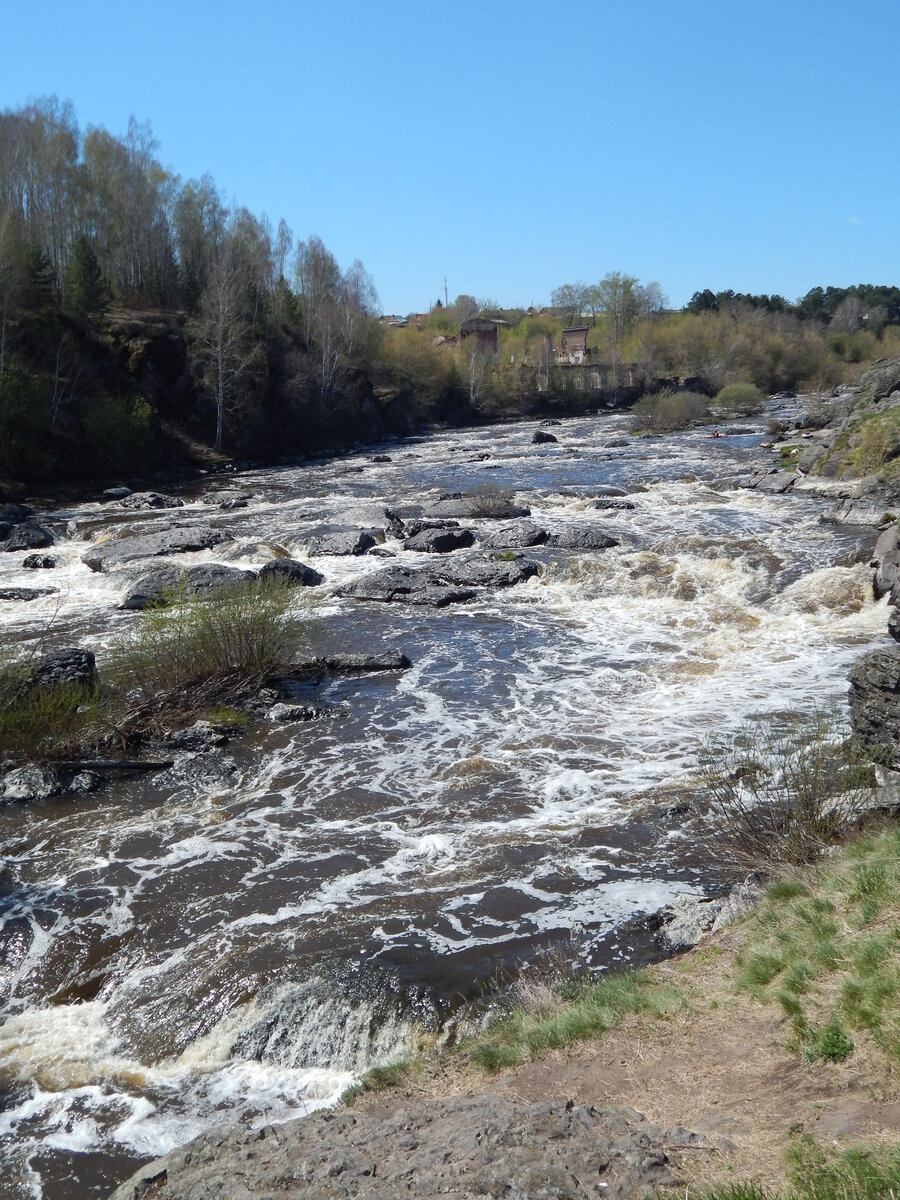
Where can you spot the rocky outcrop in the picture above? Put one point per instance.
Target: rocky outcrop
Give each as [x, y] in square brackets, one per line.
[29, 536]
[882, 378]
[34, 781]
[886, 560]
[875, 702]
[688, 919]
[469, 1146]
[145, 501]
[440, 540]
[774, 482]
[582, 537]
[297, 574]
[153, 545]
[160, 586]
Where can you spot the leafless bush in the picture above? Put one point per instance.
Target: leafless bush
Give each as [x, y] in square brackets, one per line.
[490, 500]
[779, 792]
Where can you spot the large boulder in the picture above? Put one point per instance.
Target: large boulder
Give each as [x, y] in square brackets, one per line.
[875, 702]
[29, 536]
[329, 539]
[144, 501]
[156, 587]
[465, 1146]
[886, 560]
[582, 537]
[440, 541]
[297, 574]
[153, 545]
[540, 438]
[375, 517]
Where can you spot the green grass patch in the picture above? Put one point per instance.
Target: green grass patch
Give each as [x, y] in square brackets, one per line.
[556, 1016]
[861, 1172]
[831, 958]
[379, 1079]
[871, 445]
[46, 722]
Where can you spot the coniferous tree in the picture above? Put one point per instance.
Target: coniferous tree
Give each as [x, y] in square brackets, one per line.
[85, 286]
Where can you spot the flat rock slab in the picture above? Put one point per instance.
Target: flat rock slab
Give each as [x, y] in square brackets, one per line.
[477, 506]
[25, 594]
[153, 545]
[465, 1147]
[875, 702]
[448, 582]
[773, 482]
[156, 587]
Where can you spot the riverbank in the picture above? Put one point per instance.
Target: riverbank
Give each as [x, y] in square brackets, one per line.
[741, 1074]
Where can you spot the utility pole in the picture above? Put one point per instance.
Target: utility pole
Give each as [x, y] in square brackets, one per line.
[446, 303]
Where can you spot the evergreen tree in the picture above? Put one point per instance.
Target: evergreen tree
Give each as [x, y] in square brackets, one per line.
[85, 286]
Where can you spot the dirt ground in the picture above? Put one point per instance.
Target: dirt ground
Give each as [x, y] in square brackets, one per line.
[721, 1069]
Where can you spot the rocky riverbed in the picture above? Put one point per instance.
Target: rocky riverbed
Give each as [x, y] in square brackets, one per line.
[240, 934]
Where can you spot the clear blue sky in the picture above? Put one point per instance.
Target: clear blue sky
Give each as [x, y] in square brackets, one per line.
[512, 146]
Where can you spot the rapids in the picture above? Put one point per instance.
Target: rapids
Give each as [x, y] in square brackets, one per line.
[239, 937]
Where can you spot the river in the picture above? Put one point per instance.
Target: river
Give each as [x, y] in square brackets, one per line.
[239, 937]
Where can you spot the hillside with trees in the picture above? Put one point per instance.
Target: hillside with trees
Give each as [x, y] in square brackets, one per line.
[144, 319]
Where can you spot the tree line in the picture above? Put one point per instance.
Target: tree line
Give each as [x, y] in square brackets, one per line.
[141, 312]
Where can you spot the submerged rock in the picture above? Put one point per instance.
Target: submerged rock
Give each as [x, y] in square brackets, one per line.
[467, 1146]
[452, 581]
[25, 594]
[477, 506]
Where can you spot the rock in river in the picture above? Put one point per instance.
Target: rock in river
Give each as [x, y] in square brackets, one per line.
[41, 562]
[29, 536]
[451, 581]
[295, 573]
[35, 781]
[582, 537]
[144, 501]
[517, 536]
[540, 438]
[439, 541]
[157, 586]
[153, 545]
[332, 540]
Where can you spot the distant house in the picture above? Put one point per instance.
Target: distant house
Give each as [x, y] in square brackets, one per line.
[572, 347]
[485, 331]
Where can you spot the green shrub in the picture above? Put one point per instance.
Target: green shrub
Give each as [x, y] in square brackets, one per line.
[215, 647]
[743, 398]
[117, 432]
[665, 411]
[50, 722]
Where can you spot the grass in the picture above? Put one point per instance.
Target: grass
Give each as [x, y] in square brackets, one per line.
[552, 1017]
[857, 1173]
[871, 445]
[379, 1079]
[829, 955]
[194, 653]
[45, 722]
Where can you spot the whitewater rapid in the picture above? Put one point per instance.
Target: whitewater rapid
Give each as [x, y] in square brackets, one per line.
[241, 936]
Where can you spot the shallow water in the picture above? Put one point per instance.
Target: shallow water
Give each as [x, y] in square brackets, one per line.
[239, 937]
